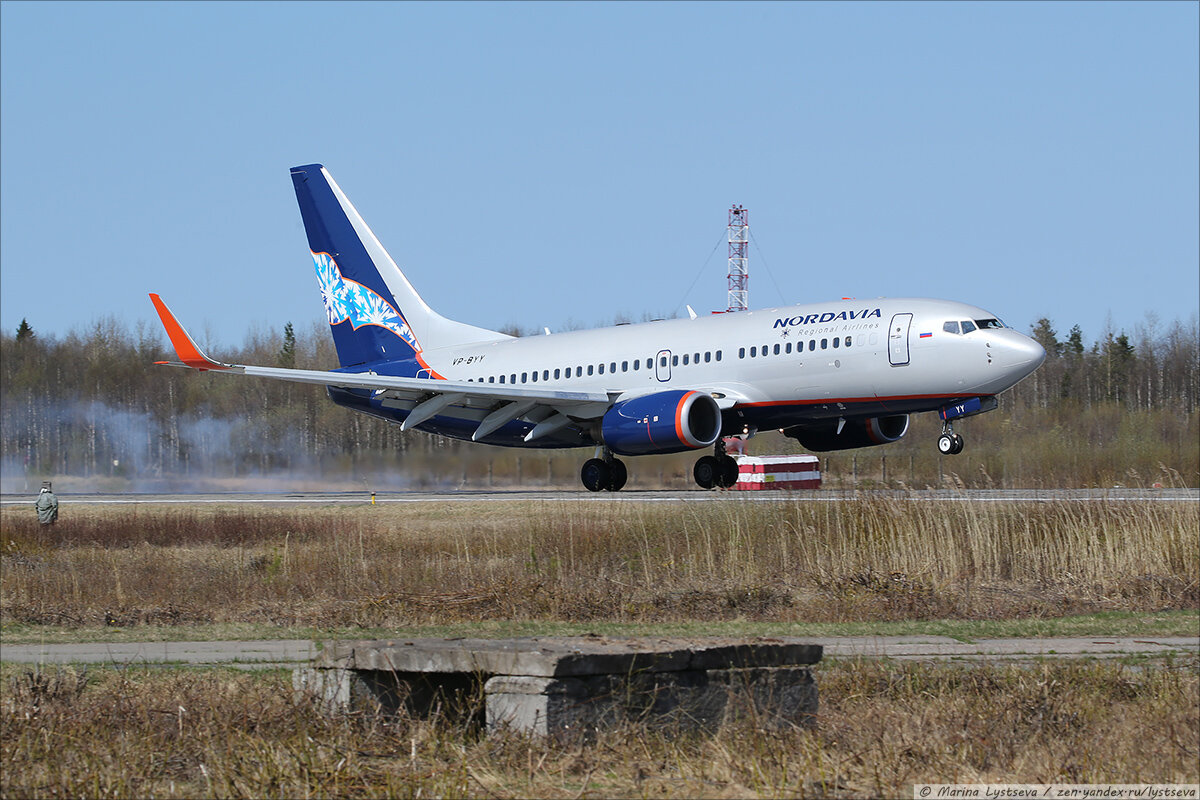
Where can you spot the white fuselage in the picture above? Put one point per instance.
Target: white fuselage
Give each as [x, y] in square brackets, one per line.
[761, 358]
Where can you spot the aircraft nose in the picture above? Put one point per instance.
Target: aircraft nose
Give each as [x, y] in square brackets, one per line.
[1019, 352]
[1028, 351]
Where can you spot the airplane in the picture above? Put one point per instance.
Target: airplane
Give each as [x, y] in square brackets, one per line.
[832, 376]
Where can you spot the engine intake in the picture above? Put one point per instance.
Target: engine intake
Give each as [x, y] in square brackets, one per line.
[666, 422]
[822, 437]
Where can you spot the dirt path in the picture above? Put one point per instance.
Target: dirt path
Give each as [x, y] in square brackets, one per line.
[288, 652]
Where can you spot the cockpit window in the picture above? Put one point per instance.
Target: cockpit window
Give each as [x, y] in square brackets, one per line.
[950, 327]
[967, 326]
[985, 324]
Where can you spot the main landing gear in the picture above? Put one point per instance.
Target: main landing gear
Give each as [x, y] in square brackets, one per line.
[949, 443]
[719, 470]
[603, 474]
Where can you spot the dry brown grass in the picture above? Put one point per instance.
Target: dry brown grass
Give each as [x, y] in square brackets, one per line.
[602, 561]
[882, 727]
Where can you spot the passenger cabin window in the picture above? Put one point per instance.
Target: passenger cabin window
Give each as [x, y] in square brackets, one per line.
[685, 359]
[824, 344]
[835, 341]
[624, 366]
[741, 352]
[612, 366]
[707, 357]
[718, 355]
[847, 341]
[776, 350]
[674, 361]
[601, 369]
[753, 352]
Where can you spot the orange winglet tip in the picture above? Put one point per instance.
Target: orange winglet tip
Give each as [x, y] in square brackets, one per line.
[185, 348]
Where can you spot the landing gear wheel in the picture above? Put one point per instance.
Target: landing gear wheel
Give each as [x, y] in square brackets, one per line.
[958, 445]
[595, 475]
[946, 444]
[706, 472]
[729, 471]
[617, 475]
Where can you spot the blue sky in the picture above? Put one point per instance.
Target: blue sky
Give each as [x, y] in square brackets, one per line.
[556, 164]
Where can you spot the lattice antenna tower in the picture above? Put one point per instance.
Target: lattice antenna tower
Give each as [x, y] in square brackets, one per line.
[739, 275]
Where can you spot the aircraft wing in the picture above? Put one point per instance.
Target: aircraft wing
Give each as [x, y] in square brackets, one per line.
[549, 410]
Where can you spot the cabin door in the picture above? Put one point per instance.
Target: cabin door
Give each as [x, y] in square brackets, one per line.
[898, 339]
[662, 365]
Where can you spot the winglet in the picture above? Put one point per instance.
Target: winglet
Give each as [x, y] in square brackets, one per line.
[185, 348]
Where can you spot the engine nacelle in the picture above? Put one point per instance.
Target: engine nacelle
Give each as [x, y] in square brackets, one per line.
[666, 422]
[822, 437]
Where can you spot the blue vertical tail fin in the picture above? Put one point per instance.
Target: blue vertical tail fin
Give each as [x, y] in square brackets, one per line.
[374, 312]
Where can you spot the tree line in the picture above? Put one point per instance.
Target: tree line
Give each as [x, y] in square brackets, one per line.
[93, 403]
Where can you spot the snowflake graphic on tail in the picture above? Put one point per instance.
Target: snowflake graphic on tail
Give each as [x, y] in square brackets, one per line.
[350, 300]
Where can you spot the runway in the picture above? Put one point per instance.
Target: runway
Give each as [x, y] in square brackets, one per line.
[632, 496]
[295, 652]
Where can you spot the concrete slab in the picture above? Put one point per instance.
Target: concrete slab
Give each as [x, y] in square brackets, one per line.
[564, 656]
[570, 686]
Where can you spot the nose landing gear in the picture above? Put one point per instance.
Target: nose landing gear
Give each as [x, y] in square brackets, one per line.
[949, 443]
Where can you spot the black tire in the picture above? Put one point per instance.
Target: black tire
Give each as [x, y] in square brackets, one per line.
[706, 471]
[595, 475]
[617, 475]
[945, 444]
[958, 445]
[729, 471]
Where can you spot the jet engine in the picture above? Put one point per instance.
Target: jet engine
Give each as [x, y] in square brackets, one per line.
[824, 436]
[665, 422]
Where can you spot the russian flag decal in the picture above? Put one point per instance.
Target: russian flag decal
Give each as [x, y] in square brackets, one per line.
[926, 335]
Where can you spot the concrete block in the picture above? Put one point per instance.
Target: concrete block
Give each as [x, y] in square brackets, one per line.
[570, 687]
[572, 707]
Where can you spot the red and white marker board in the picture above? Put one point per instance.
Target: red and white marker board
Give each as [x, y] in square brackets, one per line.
[778, 472]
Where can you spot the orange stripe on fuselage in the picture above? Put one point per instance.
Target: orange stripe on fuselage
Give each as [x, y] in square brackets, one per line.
[433, 373]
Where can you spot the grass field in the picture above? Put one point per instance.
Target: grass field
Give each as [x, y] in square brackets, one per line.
[883, 565]
[370, 567]
[881, 728]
